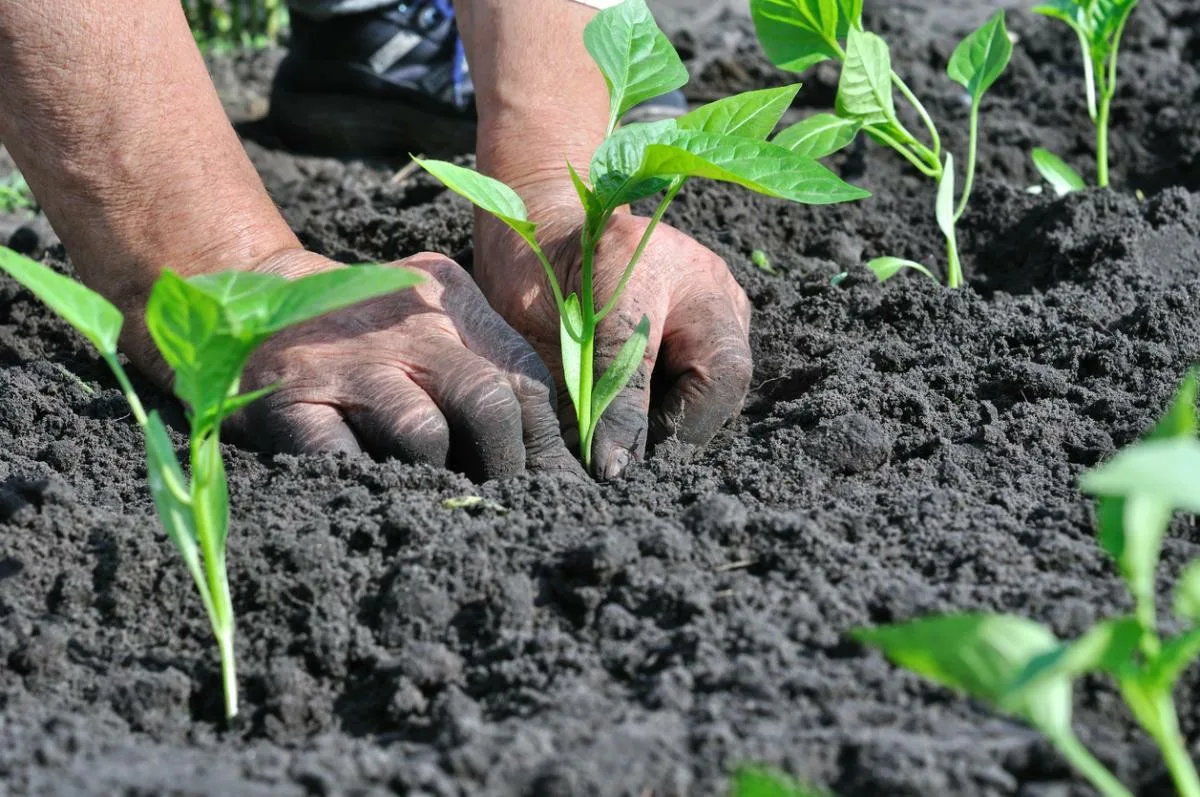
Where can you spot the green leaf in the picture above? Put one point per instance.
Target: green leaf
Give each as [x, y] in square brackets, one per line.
[1109, 648]
[982, 57]
[616, 168]
[210, 490]
[1167, 471]
[487, 194]
[1176, 655]
[89, 312]
[945, 199]
[1131, 531]
[865, 87]
[763, 263]
[570, 336]
[1106, 18]
[635, 57]
[1187, 593]
[818, 136]
[304, 299]
[622, 369]
[982, 655]
[761, 782]
[1180, 420]
[1071, 12]
[798, 34]
[587, 198]
[887, 267]
[752, 114]
[169, 488]
[1062, 178]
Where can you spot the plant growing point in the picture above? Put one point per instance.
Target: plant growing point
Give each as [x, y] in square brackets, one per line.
[725, 140]
[206, 328]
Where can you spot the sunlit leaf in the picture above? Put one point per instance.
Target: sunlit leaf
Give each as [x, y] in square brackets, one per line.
[818, 136]
[1054, 170]
[621, 370]
[887, 267]
[982, 57]
[865, 88]
[751, 114]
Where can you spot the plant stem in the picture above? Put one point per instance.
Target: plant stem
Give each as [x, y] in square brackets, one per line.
[924, 114]
[1102, 143]
[207, 531]
[1174, 749]
[972, 151]
[135, 404]
[1086, 764]
[587, 352]
[954, 272]
[924, 168]
[672, 192]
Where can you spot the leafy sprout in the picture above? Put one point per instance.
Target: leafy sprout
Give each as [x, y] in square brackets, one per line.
[205, 328]
[15, 194]
[223, 25]
[1098, 26]
[1019, 667]
[724, 141]
[798, 34]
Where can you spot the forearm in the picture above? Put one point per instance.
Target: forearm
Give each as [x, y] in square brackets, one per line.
[111, 116]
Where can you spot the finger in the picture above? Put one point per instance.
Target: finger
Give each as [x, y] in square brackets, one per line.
[487, 334]
[706, 362]
[621, 434]
[297, 428]
[393, 417]
[479, 405]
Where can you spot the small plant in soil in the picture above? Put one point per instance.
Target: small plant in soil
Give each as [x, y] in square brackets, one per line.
[205, 328]
[760, 782]
[725, 140]
[15, 194]
[1098, 25]
[799, 34]
[1021, 668]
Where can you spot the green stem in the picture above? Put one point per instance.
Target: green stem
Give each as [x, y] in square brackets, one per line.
[135, 404]
[924, 168]
[1102, 142]
[972, 152]
[1174, 749]
[672, 192]
[220, 605]
[587, 352]
[924, 114]
[1086, 764]
[1089, 73]
[954, 272]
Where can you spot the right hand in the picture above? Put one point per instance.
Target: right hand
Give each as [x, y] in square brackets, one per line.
[428, 375]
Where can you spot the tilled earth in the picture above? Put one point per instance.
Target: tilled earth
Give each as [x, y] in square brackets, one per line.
[905, 450]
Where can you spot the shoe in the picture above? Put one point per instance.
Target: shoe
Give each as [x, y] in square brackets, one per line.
[388, 82]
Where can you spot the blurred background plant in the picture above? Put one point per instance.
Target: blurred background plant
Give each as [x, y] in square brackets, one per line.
[223, 25]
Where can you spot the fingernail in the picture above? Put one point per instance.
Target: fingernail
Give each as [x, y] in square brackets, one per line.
[617, 463]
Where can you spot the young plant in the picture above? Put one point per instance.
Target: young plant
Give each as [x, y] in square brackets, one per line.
[762, 782]
[206, 328]
[15, 194]
[725, 140]
[1098, 25]
[1021, 668]
[798, 34]
[223, 26]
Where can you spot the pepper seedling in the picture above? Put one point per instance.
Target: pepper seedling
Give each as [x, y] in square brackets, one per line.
[1099, 26]
[1021, 668]
[206, 328]
[799, 34]
[725, 141]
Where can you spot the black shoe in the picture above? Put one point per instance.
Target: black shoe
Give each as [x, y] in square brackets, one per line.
[388, 82]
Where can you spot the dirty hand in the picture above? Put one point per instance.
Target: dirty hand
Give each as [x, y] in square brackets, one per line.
[699, 350]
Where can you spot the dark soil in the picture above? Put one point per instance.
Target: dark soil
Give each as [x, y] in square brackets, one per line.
[905, 450]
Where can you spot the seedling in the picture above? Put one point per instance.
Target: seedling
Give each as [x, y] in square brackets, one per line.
[15, 194]
[799, 34]
[224, 26]
[206, 328]
[1098, 25]
[1021, 668]
[761, 782]
[725, 141]
[762, 262]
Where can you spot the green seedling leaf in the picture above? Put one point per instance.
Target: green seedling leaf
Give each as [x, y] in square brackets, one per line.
[1177, 655]
[1187, 593]
[945, 199]
[982, 655]
[616, 170]
[87, 311]
[635, 57]
[982, 57]
[1131, 531]
[1163, 471]
[622, 369]
[763, 263]
[760, 782]
[297, 301]
[587, 198]
[752, 114]
[798, 34]
[487, 194]
[865, 87]
[1107, 648]
[887, 267]
[1062, 178]
[1180, 420]
[571, 339]
[169, 489]
[1071, 12]
[818, 136]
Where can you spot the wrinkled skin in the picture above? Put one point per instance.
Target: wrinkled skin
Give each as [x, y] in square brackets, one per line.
[697, 366]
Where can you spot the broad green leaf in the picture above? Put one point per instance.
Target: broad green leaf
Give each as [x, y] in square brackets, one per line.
[621, 370]
[1106, 18]
[759, 782]
[236, 404]
[1109, 648]
[982, 655]
[1176, 655]
[1069, 11]
[1167, 471]
[635, 57]
[798, 34]
[210, 490]
[887, 267]
[325, 292]
[1180, 420]
[570, 335]
[616, 168]
[819, 135]
[587, 198]
[89, 312]
[1187, 593]
[752, 114]
[1062, 178]
[982, 57]
[246, 298]
[865, 87]
[945, 199]
[487, 194]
